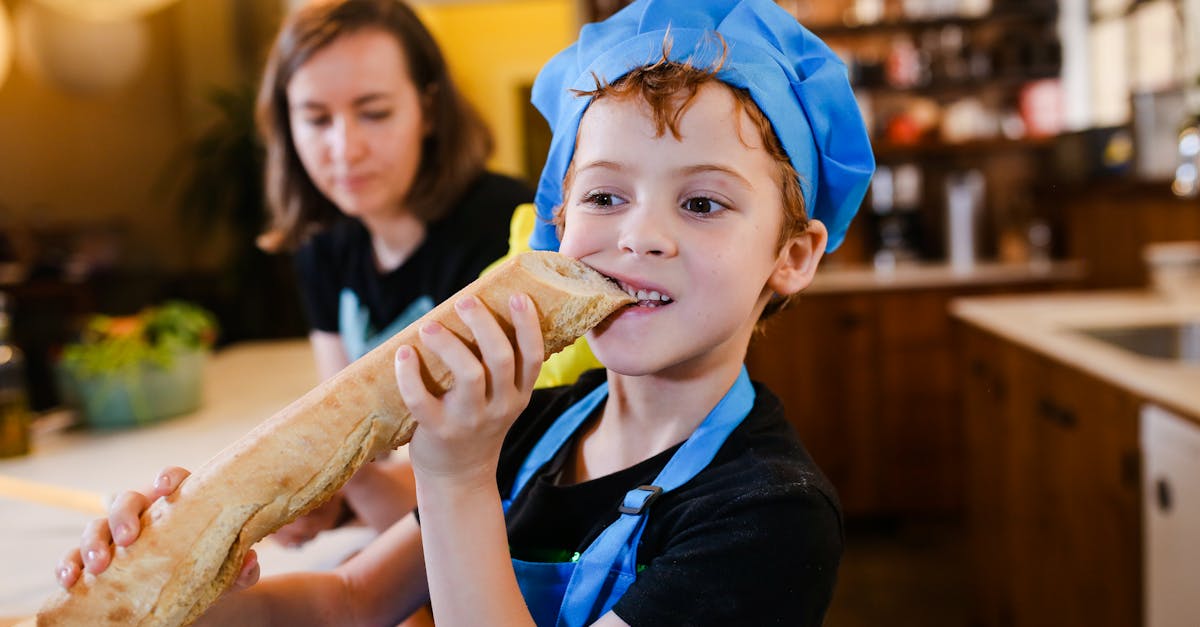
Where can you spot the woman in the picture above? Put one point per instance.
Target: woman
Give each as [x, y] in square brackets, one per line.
[376, 181]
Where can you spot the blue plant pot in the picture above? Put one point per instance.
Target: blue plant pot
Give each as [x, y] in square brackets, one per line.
[139, 396]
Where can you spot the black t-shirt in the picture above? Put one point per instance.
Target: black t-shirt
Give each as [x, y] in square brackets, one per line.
[455, 250]
[754, 539]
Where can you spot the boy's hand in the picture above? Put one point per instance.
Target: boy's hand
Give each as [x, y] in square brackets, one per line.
[461, 433]
[123, 526]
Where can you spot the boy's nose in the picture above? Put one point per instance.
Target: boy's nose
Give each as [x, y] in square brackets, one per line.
[646, 232]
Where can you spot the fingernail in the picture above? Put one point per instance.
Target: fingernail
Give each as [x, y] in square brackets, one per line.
[122, 532]
[518, 302]
[465, 303]
[430, 328]
[93, 555]
[404, 352]
[64, 572]
[162, 482]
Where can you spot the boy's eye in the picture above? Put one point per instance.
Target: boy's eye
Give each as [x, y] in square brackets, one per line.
[601, 199]
[702, 204]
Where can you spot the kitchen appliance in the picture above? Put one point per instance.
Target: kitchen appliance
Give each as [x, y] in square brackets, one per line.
[964, 204]
[1171, 515]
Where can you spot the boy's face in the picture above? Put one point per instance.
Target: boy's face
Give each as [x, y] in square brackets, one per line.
[690, 224]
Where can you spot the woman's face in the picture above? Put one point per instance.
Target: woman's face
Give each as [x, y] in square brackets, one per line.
[358, 122]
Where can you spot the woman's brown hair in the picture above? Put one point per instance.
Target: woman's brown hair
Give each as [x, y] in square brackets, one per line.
[453, 153]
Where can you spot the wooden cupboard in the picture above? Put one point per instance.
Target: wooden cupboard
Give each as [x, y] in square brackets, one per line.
[1052, 479]
[870, 380]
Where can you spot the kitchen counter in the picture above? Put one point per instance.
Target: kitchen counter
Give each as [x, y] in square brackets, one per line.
[244, 384]
[1046, 323]
[908, 276]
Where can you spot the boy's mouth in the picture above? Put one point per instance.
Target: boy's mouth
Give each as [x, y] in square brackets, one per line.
[645, 297]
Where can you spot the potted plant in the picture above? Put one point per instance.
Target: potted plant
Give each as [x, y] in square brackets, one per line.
[138, 369]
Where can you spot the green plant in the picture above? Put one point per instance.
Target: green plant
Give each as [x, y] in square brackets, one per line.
[155, 336]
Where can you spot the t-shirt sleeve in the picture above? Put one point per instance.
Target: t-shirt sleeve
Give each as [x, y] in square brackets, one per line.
[318, 286]
[759, 560]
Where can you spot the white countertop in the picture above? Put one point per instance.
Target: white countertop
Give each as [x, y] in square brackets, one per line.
[1047, 324]
[907, 276]
[244, 385]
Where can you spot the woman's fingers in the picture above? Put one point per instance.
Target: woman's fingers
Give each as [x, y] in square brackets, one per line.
[69, 568]
[530, 344]
[248, 576]
[125, 517]
[167, 481]
[96, 546]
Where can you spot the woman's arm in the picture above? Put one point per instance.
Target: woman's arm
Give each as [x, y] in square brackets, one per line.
[383, 584]
[329, 353]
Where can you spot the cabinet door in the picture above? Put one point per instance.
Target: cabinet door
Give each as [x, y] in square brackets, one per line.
[986, 399]
[817, 356]
[920, 433]
[1077, 510]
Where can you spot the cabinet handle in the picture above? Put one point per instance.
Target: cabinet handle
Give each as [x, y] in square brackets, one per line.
[1131, 470]
[1162, 491]
[1057, 414]
[849, 320]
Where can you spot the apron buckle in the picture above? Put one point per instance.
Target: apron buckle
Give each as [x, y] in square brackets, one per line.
[639, 498]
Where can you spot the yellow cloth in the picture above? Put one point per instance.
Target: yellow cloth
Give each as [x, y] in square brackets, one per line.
[563, 367]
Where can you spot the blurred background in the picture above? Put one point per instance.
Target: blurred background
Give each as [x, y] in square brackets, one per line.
[1027, 150]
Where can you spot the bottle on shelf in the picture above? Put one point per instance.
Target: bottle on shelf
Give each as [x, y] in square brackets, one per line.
[14, 403]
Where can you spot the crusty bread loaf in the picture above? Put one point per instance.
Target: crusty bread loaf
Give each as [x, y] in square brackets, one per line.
[193, 543]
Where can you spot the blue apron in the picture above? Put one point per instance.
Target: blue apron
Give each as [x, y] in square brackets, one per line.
[575, 593]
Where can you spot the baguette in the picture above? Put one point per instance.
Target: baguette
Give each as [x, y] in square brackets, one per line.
[193, 542]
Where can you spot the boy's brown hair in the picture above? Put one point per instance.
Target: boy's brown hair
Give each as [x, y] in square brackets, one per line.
[452, 155]
[669, 87]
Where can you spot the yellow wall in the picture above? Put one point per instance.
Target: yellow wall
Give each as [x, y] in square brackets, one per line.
[492, 49]
[104, 160]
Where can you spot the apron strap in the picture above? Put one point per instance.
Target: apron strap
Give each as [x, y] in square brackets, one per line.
[554, 438]
[591, 592]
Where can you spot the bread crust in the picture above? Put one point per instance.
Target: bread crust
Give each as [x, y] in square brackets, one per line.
[194, 541]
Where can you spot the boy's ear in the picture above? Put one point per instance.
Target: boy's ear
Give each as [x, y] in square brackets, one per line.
[798, 259]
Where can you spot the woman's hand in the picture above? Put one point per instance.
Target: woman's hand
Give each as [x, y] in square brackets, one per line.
[329, 515]
[123, 526]
[460, 433]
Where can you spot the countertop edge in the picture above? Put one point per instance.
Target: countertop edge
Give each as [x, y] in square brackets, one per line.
[1043, 324]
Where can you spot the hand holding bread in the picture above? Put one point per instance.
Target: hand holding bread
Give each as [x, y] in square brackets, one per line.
[193, 542]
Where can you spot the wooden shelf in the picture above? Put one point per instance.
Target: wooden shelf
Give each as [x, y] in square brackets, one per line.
[935, 148]
[950, 88]
[1033, 15]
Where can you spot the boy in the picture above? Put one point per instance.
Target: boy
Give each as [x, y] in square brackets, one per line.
[667, 488]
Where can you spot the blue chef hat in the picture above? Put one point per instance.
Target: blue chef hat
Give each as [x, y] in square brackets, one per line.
[796, 80]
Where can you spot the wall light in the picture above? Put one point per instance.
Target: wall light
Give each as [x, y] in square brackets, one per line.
[106, 10]
[6, 40]
[78, 55]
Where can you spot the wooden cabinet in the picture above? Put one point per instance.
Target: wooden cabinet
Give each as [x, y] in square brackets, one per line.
[1053, 485]
[818, 356]
[871, 382]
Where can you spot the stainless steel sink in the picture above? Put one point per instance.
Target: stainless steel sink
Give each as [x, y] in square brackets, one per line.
[1174, 342]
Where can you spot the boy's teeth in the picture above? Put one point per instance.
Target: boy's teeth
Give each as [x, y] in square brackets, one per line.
[643, 295]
